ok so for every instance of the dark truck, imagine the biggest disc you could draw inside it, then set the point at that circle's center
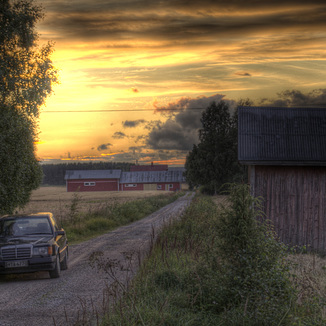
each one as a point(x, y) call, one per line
point(31, 243)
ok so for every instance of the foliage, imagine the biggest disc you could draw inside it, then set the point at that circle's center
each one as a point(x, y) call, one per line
point(215, 267)
point(26, 78)
point(213, 162)
point(254, 268)
point(81, 226)
point(20, 171)
point(27, 73)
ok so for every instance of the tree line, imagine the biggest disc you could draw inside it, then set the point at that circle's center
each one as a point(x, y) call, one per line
point(54, 174)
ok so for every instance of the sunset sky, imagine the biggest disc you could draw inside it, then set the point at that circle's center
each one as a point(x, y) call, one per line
point(136, 74)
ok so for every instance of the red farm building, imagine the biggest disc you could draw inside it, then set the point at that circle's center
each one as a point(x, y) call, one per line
point(92, 180)
point(116, 180)
point(152, 180)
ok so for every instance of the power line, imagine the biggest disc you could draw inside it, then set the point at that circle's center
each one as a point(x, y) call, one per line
point(118, 110)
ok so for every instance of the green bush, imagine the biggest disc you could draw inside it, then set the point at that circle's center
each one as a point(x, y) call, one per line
point(255, 275)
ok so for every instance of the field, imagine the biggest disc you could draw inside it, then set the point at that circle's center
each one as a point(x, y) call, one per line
point(58, 201)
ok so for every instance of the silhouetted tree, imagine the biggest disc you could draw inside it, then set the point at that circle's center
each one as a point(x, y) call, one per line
point(213, 162)
point(26, 79)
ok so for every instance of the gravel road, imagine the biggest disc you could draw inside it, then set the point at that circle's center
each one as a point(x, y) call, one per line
point(36, 300)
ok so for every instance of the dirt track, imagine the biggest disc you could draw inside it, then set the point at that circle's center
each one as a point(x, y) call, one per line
point(35, 299)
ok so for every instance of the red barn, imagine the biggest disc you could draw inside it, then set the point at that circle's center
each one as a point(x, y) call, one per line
point(152, 180)
point(92, 180)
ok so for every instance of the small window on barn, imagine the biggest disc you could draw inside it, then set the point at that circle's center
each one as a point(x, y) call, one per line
point(131, 185)
point(170, 186)
point(87, 184)
point(159, 187)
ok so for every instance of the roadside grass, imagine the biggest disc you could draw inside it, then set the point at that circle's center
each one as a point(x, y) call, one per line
point(218, 266)
point(80, 225)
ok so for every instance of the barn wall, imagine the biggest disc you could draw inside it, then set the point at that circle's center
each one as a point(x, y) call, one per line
point(150, 186)
point(161, 186)
point(295, 202)
point(137, 186)
point(100, 185)
point(175, 186)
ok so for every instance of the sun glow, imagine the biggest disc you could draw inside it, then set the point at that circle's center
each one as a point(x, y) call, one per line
point(117, 57)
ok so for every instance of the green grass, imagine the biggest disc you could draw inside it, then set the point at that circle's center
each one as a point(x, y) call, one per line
point(216, 267)
point(83, 226)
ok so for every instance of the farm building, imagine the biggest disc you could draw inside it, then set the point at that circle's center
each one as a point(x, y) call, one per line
point(92, 180)
point(116, 180)
point(285, 150)
point(151, 180)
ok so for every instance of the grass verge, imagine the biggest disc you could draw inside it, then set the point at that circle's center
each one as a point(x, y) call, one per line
point(108, 216)
point(217, 266)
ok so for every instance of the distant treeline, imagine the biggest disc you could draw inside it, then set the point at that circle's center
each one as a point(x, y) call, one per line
point(54, 174)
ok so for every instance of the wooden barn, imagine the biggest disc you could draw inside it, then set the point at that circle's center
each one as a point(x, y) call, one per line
point(92, 180)
point(285, 150)
point(152, 180)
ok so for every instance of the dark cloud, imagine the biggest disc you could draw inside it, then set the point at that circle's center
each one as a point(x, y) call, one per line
point(171, 136)
point(140, 138)
point(180, 131)
point(180, 22)
point(104, 147)
point(243, 74)
point(119, 135)
point(294, 98)
point(132, 123)
point(188, 103)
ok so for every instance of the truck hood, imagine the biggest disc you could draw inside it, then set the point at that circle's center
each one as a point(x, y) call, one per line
point(35, 239)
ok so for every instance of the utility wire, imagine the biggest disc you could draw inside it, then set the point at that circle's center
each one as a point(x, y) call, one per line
point(118, 110)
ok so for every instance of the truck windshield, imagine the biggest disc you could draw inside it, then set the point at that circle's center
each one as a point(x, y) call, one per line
point(22, 226)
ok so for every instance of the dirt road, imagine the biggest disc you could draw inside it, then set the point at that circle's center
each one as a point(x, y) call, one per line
point(37, 300)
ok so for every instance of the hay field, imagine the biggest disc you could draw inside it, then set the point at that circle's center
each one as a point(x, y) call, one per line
point(58, 201)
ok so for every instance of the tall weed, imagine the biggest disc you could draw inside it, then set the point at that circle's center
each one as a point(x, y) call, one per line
point(215, 266)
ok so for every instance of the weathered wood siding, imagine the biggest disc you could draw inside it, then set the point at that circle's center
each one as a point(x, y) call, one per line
point(99, 185)
point(295, 202)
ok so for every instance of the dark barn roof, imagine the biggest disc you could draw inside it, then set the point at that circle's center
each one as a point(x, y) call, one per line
point(92, 174)
point(282, 136)
point(152, 176)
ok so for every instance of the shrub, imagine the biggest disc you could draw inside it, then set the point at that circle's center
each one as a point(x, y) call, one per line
point(253, 276)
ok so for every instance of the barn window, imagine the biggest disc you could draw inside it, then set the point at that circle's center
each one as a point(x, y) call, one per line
point(159, 187)
point(131, 185)
point(87, 184)
point(170, 186)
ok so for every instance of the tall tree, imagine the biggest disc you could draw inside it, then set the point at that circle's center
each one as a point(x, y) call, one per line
point(213, 162)
point(26, 79)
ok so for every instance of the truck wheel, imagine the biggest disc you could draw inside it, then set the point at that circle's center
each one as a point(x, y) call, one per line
point(64, 263)
point(55, 273)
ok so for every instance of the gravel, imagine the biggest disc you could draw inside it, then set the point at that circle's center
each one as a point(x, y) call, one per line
point(35, 299)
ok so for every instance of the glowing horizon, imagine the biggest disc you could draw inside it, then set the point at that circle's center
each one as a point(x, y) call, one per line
point(121, 64)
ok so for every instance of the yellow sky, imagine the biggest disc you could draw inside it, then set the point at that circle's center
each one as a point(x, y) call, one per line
point(121, 61)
